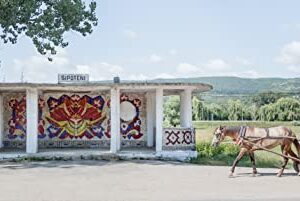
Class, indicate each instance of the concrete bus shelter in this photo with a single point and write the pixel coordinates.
(102, 116)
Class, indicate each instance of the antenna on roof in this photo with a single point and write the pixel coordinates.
(22, 76)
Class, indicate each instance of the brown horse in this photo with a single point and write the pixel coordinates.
(251, 139)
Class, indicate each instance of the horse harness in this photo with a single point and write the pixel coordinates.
(243, 131)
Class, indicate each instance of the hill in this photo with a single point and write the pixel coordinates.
(237, 85)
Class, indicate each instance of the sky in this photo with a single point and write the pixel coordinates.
(171, 38)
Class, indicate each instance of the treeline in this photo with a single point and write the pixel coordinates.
(264, 107)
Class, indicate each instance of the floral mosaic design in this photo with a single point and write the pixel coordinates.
(76, 117)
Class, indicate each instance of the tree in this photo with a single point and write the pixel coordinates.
(235, 110)
(288, 109)
(172, 111)
(265, 98)
(45, 21)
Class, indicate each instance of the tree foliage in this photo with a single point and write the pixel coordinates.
(270, 109)
(172, 112)
(45, 21)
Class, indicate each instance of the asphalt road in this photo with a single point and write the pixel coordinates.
(140, 180)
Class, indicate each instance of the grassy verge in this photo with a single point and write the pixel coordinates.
(226, 153)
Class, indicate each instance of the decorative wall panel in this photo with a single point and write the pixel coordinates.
(70, 120)
(15, 119)
(133, 119)
(179, 138)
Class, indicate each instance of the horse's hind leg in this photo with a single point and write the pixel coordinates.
(252, 158)
(291, 153)
(285, 161)
(235, 162)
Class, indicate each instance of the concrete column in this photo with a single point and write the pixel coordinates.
(186, 108)
(32, 120)
(1, 121)
(159, 119)
(150, 118)
(115, 120)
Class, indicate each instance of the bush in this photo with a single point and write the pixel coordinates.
(205, 150)
(296, 123)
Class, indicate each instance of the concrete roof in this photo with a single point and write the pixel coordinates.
(106, 85)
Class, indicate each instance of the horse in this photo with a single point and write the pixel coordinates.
(251, 139)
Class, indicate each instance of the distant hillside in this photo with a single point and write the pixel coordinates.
(236, 85)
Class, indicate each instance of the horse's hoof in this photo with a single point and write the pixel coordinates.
(254, 174)
(279, 175)
(230, 175)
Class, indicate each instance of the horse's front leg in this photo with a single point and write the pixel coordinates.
(236, 161)
(252, 158)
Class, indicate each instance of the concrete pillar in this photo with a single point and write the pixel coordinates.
(150, 118)
(186, 108)
(115, 120)
(159, 119)
(1, 121)
(32, 120)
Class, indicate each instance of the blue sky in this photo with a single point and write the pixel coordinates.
(149, 39)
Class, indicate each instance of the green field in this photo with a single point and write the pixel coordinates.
(226, 153)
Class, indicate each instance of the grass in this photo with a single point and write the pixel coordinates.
(226, 153)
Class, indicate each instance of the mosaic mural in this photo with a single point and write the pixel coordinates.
(75, 120)
(76, 117)
(130, 118)
(17, 121)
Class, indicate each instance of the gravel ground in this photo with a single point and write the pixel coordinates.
(140, 180)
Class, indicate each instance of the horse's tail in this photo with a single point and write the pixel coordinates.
(297, 145)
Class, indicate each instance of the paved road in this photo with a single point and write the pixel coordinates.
(144, 180)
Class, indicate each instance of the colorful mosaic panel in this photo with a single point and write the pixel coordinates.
(76, 117)
(130, 117)
(17, 121)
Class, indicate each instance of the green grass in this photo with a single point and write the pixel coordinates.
(226, 153)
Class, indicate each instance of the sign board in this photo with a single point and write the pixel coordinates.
(73, 78)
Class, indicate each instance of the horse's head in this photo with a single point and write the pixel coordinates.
(218, 136)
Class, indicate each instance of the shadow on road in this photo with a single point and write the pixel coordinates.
(78, 163)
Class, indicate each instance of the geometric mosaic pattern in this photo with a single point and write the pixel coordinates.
(179, 138)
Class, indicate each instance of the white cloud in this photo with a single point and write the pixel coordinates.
(173, 52)
(242, 61)
(137, 77)
(130, 34)
(164, 75)
(290, 54)
(155, 58)
(100, 71)
(217, 64)
(38, 69)
(188, 69)
(294, 69)
(246, 74)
